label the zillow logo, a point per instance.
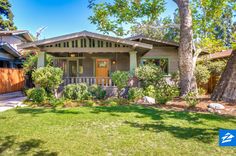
(227, 137)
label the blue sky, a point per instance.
(60, 16)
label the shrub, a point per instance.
(116, 101)
(120, 79)
(149, 74)
(89, 103)
(150, 91)
(165, 93)
(70, 103)
(175, 78)
(191, 99)
(217, 67)
(76, 92)
(97, 92)
(202, 91)
(202, 74)
(48, 78)
(56, 102)
(135, 93)
(36, 94)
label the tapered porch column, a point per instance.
(41, 59)
(132, 61)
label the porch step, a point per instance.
(11, 95)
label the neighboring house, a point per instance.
(91, 57)
(223, 55)
(12, 79)
(9, 53)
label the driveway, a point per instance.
(11, 103)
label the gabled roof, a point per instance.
(24, 33)
(86, 34)
(8, 48)
(143, 38)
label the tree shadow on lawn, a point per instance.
(205, 135)
(36, 111)
(159, 114)
(31, 146)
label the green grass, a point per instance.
(120, 130)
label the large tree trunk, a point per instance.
(187, 79)
(226, 87)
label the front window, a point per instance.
(160, 62)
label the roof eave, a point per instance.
(10, 49)
(141, 37)
(85, 34)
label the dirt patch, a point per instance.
(179, 104)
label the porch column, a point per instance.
(41, 59)
(132, 60)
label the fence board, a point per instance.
(11, 80)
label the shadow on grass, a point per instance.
(193, 131)
(159, 114)
(28, 147)
(204, 135)
(35, 111)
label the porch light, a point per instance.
(113, 62)
(72, 55)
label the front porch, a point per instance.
(92, 68)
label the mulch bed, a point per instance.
(179, 104)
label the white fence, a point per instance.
(103, 81)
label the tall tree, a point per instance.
(6, 16)
(187, 78)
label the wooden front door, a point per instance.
(102, 68)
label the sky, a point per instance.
(59, 16)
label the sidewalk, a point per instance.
(11, 103)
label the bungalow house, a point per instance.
(91, 58)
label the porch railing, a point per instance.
(103, 81)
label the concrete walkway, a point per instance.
(11, 103)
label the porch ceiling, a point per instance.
(41, 44)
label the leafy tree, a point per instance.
(112, 16)
(162, 29)
(6, 16)
(48, 78)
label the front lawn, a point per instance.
(119, 130)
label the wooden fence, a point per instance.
(11, 80)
